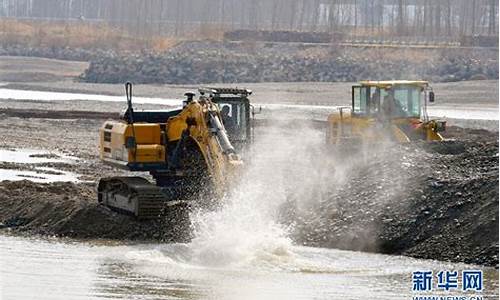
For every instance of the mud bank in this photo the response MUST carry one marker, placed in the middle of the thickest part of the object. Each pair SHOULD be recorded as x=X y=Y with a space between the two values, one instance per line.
x=70 y=210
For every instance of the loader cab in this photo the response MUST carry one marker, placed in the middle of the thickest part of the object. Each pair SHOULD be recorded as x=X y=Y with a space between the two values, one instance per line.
x=390 y=99
x=235 y=110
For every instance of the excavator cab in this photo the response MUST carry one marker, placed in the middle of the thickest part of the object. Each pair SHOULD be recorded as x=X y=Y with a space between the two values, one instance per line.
x=235 y=110
x=396 y=110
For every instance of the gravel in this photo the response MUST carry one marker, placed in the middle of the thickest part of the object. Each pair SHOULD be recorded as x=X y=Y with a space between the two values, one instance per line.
x=435 y=201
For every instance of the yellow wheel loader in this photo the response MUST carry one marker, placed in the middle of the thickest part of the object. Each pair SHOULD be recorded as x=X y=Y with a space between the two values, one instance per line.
x=385 y=110
x=188 y=152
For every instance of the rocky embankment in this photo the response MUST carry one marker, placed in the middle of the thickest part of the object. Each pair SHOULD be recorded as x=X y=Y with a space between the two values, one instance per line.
x=207 y=62
x=436 y=201
x=196 y=62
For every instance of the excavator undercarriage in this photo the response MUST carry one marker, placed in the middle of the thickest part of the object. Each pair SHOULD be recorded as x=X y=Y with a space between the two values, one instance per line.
x=136 y=196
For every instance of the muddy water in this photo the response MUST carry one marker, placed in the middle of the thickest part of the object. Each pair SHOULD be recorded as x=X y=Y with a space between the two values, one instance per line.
x=55 y=269
x=34 y=159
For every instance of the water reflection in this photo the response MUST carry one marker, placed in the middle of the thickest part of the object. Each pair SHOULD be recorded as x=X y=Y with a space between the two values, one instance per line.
x=20 y=164
x=55 y=269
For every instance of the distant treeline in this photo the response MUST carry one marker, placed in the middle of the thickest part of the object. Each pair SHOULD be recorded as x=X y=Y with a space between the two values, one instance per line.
x=450 y=18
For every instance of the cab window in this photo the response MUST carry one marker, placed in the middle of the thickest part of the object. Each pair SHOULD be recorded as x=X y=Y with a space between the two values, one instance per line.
x=374 y=101
x=366 y=100
x=359 y=99
x=407 y=101
x=234 y=119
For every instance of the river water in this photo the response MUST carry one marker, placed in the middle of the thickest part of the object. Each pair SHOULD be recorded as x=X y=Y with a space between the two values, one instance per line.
x=34 y=158
x=58 y=269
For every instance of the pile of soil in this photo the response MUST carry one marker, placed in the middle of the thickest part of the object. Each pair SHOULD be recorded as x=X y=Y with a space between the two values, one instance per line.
x=70 y=210
x=209 y=62
x=436 y=201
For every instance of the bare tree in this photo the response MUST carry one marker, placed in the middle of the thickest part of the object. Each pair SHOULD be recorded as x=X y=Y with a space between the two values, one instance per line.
x=492 y=14
x=149 y=18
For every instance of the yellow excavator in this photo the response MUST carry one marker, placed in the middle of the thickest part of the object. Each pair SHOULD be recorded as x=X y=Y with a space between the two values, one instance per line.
x=385 y=110
x=188 y=152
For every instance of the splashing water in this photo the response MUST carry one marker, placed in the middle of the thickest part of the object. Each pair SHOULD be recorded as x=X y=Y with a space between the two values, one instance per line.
x=245 y=234
x=245 y=230
x=285 y=165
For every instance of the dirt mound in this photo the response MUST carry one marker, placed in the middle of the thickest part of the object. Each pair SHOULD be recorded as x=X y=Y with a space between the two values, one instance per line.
x=419 y=200
x=68 y=209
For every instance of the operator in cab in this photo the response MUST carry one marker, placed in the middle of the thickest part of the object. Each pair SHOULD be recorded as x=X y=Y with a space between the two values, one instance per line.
x=391 y=107
x=388 y=106
x=227 y=119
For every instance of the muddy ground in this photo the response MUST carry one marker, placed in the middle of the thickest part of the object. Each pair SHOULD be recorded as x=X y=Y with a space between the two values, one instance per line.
x=36 y=69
